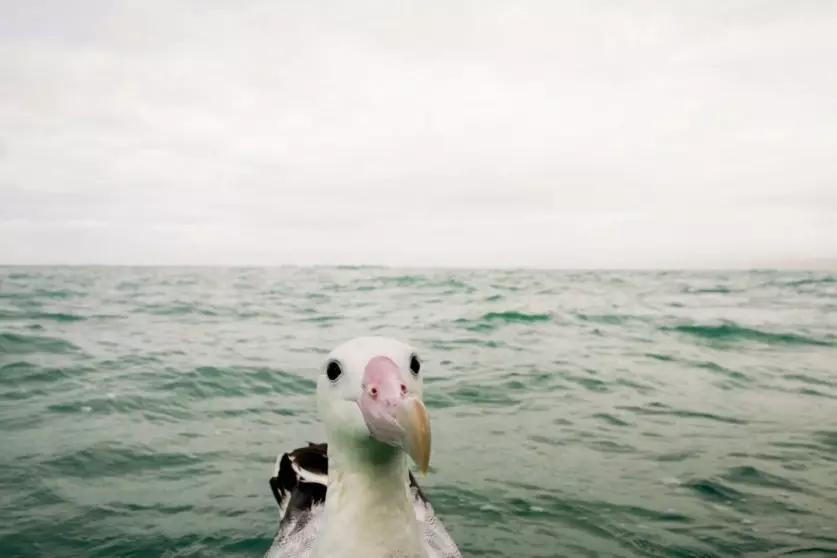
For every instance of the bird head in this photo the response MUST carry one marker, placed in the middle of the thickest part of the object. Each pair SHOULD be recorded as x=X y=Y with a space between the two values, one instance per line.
x=369 y=391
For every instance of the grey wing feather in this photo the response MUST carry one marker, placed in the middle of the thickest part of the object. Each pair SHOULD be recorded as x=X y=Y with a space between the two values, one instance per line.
x=299 y=484
x=438 y=542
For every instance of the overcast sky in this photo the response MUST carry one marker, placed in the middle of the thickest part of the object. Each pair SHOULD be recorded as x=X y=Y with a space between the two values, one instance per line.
x=495 y=133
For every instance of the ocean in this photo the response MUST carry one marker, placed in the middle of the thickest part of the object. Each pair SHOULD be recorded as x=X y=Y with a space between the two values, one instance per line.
x=574 y=414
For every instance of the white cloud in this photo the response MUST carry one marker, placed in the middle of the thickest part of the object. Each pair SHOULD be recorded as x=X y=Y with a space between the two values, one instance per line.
x=472 y=133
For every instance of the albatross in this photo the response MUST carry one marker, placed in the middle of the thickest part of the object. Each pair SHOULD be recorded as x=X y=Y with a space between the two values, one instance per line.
x=354 y=495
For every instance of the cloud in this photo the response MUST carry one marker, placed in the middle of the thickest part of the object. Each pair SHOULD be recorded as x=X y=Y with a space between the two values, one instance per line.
x=489 y=133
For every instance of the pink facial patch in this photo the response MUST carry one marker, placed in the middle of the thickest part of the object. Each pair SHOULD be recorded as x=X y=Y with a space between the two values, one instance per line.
x=383 y=380
x=384 y=393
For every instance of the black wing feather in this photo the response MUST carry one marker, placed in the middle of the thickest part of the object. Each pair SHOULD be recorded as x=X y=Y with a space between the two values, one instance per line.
x=299 y=494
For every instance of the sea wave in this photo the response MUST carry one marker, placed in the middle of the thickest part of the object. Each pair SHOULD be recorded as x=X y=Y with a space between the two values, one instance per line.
x=614 y=413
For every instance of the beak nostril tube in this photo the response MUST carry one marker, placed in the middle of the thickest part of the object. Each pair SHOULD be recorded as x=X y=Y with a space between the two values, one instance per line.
x=403 y=389
x=373 y=391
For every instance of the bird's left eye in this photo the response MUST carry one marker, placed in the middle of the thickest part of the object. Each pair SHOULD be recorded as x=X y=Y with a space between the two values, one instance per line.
x=415 y=365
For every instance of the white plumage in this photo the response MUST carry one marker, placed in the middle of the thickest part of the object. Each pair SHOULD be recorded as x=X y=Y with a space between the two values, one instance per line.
x=354 y=496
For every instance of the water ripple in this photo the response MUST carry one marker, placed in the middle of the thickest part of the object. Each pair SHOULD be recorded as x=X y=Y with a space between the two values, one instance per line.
x=623 y=414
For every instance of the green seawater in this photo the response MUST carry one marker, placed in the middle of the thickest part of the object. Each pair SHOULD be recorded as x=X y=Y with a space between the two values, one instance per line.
x=575 y=414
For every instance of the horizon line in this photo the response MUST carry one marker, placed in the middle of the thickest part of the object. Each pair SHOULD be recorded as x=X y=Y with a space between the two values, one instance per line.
x=826 y=264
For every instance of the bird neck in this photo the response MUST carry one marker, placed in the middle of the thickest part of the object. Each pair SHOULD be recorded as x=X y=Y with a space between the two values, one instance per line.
x=368 y=504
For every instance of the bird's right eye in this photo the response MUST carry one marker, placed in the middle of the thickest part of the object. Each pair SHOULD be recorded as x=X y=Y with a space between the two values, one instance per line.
x=333 y=371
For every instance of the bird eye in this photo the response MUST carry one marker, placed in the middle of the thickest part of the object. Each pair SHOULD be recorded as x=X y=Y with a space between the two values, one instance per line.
x=333 y=371
x=415 y=365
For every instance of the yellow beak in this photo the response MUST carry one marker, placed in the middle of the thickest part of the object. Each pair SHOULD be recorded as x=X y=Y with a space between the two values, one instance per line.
x=416 y=424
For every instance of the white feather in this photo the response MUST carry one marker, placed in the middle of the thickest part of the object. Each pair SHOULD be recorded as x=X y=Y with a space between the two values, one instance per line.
x=308 y=476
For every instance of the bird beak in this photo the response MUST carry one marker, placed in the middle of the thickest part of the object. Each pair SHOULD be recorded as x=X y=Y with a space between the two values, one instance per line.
x=413 y=419
x=392 y=415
